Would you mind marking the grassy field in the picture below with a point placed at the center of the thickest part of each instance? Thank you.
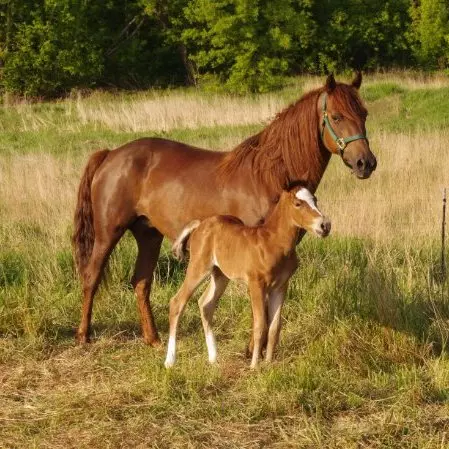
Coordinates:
(363, 358)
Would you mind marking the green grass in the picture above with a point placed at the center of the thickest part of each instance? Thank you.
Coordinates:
(363, 349)
(363, 357)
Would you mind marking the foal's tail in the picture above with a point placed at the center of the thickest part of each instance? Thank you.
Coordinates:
(84, 235)
(180, 244)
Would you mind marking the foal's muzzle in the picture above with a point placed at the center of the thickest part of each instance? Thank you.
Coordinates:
(323, 227)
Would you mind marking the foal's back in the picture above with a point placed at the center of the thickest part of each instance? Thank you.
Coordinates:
(239, 251)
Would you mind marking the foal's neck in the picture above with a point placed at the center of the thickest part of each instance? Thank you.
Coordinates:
(283, 231)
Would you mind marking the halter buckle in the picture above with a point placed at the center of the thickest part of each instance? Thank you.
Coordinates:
(340, 143)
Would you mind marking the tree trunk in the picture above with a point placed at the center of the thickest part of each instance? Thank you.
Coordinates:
(188, 65)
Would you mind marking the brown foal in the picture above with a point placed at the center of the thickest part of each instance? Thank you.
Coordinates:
(263, 257)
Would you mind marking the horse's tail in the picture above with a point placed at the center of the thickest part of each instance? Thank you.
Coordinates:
(84, 234)
(180, 245)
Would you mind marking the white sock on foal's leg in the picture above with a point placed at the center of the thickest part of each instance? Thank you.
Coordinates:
(211, 346)
(171, 352)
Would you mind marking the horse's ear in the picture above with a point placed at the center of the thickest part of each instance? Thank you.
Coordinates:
(330, 83)
(357, 81)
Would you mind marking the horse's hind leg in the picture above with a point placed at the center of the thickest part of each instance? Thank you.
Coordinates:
(91, 277)
(149, 242)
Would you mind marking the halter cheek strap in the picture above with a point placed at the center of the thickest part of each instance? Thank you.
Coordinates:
(341, 142)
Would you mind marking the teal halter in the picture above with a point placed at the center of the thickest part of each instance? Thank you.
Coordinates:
(341, 142)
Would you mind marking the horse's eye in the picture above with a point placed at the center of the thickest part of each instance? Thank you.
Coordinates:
(336, 118)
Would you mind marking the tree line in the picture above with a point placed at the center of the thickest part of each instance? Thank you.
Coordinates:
(48, 47)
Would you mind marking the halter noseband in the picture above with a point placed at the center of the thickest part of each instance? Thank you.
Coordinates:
(341, 142)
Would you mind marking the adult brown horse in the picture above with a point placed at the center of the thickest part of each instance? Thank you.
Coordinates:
(154, 187)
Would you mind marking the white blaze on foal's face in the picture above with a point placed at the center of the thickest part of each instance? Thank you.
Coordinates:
(319, 224)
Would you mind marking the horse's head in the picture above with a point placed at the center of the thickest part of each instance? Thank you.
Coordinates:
(342, 118)
(305, 212)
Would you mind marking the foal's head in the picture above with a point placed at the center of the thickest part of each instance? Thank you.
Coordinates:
(305, 213)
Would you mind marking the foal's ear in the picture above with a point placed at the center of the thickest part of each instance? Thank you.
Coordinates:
(331, 84)
(357, 81)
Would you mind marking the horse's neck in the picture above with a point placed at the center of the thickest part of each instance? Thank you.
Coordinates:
(283, 232)
(272, 182)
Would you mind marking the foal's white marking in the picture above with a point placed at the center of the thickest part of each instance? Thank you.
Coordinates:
(207, 320)
(304, 195)
(211, 346)
(171, 352)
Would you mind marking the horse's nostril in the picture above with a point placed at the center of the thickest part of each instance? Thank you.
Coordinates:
(360, 163)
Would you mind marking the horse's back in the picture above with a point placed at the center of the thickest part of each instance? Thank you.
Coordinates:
(160, 179)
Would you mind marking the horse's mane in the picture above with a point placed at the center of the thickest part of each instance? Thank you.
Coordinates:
(290, 147)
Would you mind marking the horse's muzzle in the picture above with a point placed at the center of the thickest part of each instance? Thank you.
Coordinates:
(363, 167)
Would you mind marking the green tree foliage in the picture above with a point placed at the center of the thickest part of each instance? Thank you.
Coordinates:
(249, 44)
(359, 34)
(48, 47)
(429, 33)
(64, 44)
(53, 52)
(170, 18)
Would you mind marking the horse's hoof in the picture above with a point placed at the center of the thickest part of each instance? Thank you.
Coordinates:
(82, 339)
(153, 342)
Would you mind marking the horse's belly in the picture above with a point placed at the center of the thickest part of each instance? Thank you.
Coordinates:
(171, 206)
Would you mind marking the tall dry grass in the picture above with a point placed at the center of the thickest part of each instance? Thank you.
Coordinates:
(403, 198)
(401, 201)
(164, 111)
(177, 111)
(38, 189)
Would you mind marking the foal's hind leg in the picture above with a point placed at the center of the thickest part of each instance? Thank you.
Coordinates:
(197, 270)
(91, 277)
(149, 242)
(208, 303)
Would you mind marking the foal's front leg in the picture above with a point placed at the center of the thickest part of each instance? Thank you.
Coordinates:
(257, 292)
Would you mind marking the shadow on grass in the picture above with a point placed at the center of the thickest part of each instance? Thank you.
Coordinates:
(411, 302)
(118, 331)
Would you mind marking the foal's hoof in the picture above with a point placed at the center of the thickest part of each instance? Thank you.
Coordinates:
(169, 364)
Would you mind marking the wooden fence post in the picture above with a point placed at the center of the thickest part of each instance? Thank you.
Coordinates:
(443, 237)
